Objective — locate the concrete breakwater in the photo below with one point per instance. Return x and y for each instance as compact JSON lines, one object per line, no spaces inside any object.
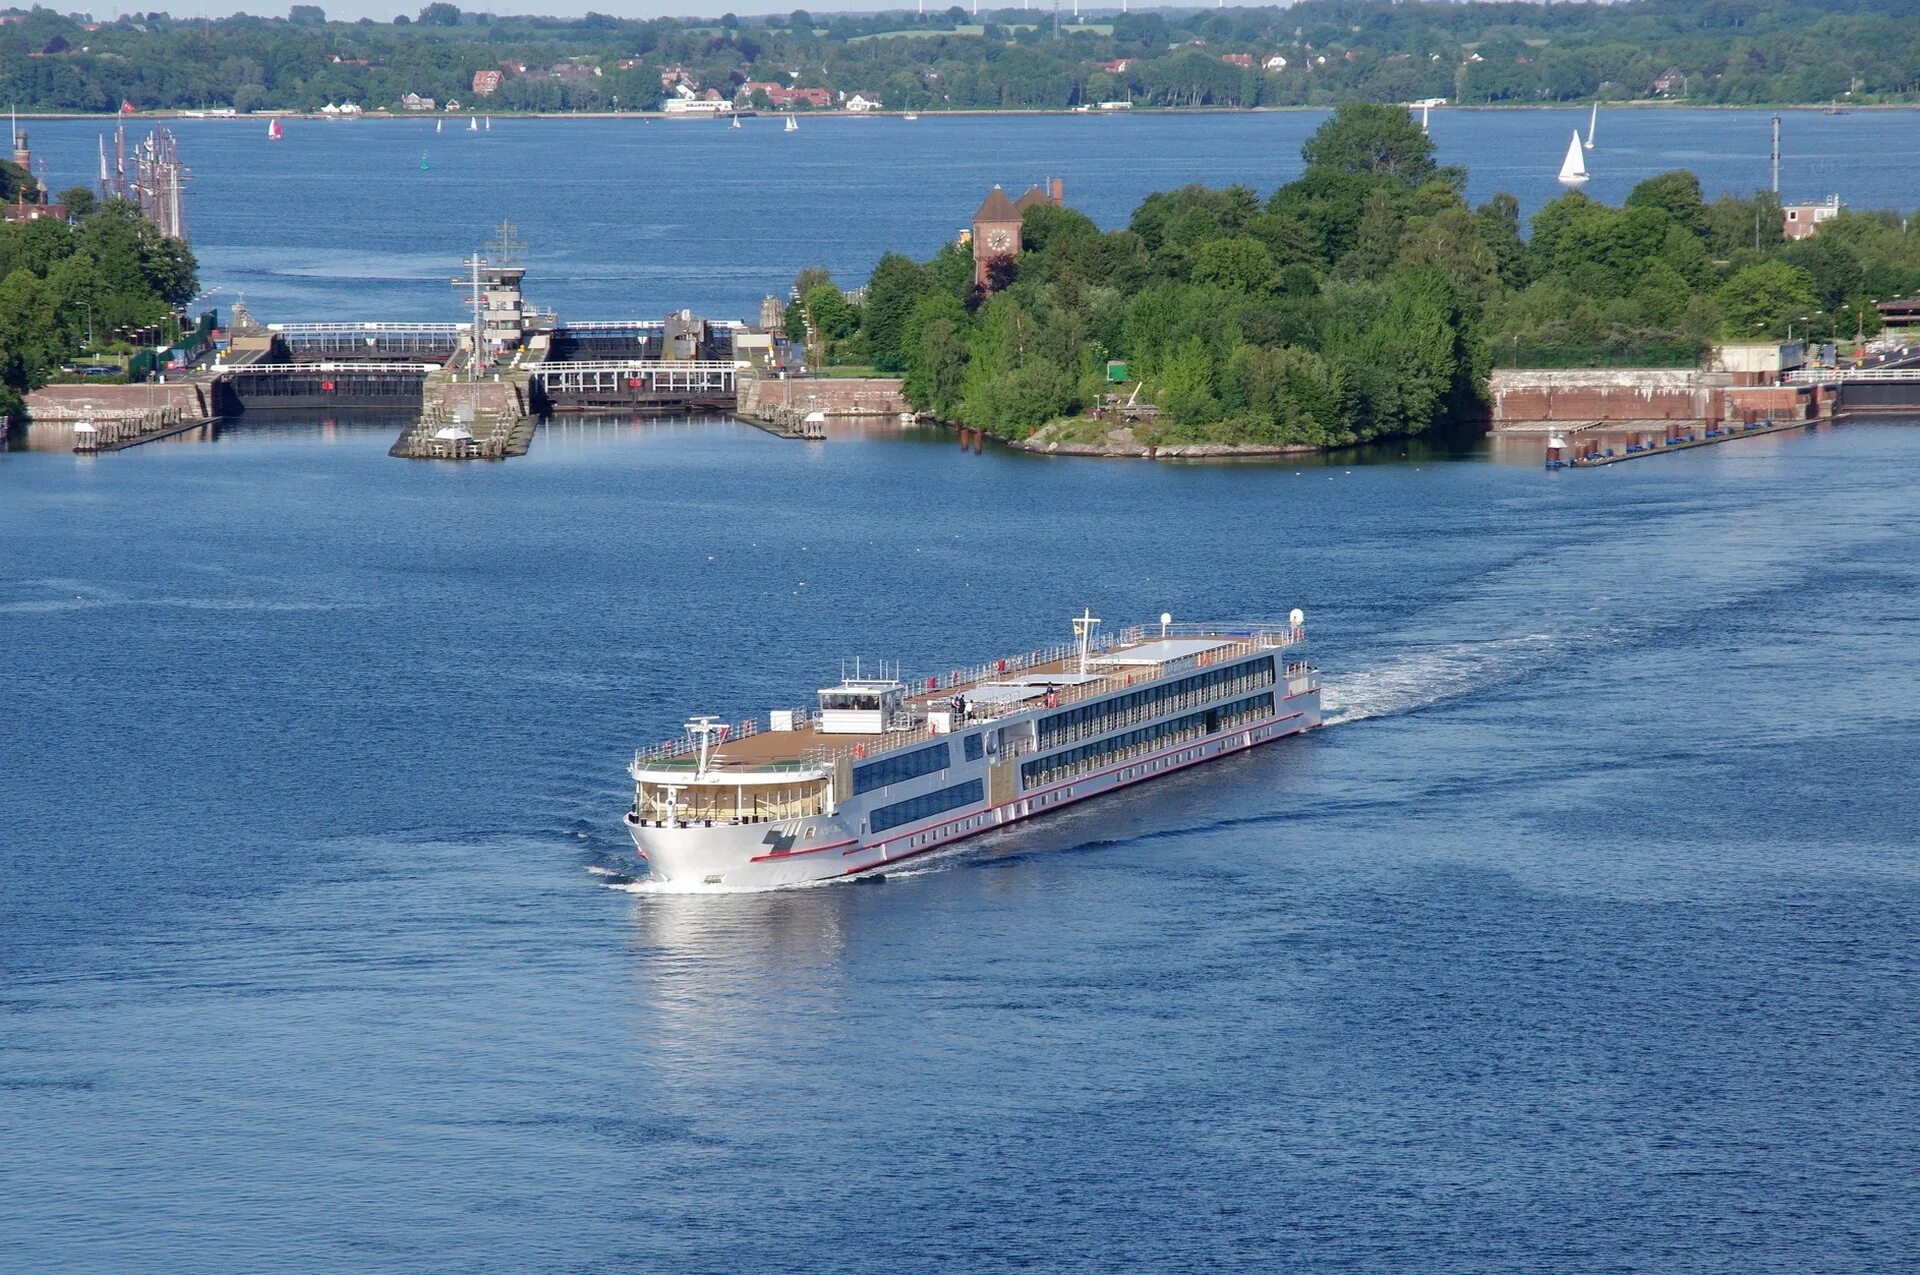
{"x":771,"y":399}
{"x":110,"y":418}
{"x":468,"y":420}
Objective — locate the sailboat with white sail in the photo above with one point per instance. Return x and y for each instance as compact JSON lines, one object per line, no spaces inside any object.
{"x":274,"y":131}
{"x":439,"y":126}
{"x":1573,"y":171}
{"x":473,"y":123}
{"x":793,"y":125}
{"x":1592,"y":120}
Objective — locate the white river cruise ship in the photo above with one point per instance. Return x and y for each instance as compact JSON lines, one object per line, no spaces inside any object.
{"x":883,"y":770}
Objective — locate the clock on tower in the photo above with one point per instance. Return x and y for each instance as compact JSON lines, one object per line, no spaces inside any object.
{"x":996,"y":233}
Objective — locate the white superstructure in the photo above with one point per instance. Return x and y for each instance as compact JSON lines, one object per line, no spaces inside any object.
{"x":882,"y":770}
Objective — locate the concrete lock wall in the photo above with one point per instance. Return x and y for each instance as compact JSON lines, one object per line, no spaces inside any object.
{"x":1625,"y":394}
{"x":836,"y":396}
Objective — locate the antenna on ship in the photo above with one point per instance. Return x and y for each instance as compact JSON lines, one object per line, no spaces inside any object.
{"x":1083,"y":626}
{"x":705,"y":730}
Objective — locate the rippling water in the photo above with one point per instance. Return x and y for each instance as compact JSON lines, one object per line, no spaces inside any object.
{"x":1583,"y":939}
{"x":629,"y":219}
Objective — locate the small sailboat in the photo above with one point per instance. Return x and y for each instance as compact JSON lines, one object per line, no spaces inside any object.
{"x":489,"y":123}
{"x":439,"y":126}
{"x":1592,"y":119}
{"x":274,"y":131}
{"x":793,"y":125}
{"x":473,"y":123}
{"x":1425,"y":109}
{"x":1573,"y":171}
{"x":736,"y":121}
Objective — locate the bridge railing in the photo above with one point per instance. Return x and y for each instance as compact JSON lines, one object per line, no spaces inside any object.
{"x":318,"y":369}
{"x":635,"y":365}
{"x":1859,"y":375}
{"x":367,"y":329}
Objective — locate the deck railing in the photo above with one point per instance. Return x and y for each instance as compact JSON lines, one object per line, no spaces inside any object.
{"x":1250,"y":640}
{"x":1246,"y":639}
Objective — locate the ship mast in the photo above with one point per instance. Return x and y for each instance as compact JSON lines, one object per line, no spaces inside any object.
{"x":1083,"y":626}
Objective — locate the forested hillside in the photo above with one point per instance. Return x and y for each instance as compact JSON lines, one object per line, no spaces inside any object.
{"x":1317,"y":53}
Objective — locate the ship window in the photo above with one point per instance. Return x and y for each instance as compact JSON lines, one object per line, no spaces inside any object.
{"x":927,"y":804}
{"x":974,"y":749}
{"x":898,"y":769}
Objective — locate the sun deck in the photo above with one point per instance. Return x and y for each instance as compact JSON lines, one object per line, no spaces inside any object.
{"x":1047,"y":677}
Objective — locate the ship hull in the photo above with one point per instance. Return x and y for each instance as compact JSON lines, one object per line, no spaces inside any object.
{"x":831,"y":847}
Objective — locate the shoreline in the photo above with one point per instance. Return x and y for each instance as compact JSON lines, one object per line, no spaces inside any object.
{"x":1650,"y":104}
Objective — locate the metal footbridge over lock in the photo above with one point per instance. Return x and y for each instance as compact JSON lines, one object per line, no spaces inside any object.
{"x":657,"y":384}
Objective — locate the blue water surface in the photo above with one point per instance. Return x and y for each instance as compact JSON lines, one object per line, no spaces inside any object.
{"x":1584,"y":939}
{"x":630,"y":219}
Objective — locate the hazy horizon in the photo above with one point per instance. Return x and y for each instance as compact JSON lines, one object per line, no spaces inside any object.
{"x":386,"y":10}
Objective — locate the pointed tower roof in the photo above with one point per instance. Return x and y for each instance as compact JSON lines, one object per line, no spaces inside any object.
{"x":997,"y":207}
{"x":1034,"y":196}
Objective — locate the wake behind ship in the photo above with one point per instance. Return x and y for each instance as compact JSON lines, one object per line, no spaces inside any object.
{"x":882,"y":771}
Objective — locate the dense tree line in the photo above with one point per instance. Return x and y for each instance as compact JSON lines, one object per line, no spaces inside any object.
{"x":109,"y":271}
{"x":1363,"y":300}
{"x":1719,"y":51}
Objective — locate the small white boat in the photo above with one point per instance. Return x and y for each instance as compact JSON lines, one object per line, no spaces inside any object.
{"x":1592,"y":119}
{"x":489,"y":123}
{"x":274,"y":131}
{"x":736,"y":121}
{"x":912,"y":115}
{"x":439,"y":126}
{"x":793,"y":125}
{"x":473,"y":124}
{"x":1573,"y":170}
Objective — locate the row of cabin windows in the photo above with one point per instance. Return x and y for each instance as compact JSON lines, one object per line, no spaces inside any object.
{"x":1090,"y":718}
{"x":926,"y":805}
{"x":899,"y":769}
{"x":928,"y":838}
{"x":1094,"y":756}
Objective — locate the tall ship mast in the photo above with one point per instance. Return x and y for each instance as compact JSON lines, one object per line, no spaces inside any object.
{"x":883,"y":770}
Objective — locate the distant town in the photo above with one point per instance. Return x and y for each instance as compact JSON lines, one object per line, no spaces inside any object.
{"x":1072,"y":57}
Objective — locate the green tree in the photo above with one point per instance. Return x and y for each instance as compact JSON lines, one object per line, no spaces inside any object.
{"x":1185,"y":392}
{"x":1761,"y":298}
{"x":1376,"y":240}
{"x":1677,"y":194}
{"x":1374,"y":141}
{"x":937,"y":368}
{"x":440,"y":14}
{"x":1240,"y":265}
{"x":833,"y":317}
{"x":894,"y":288}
